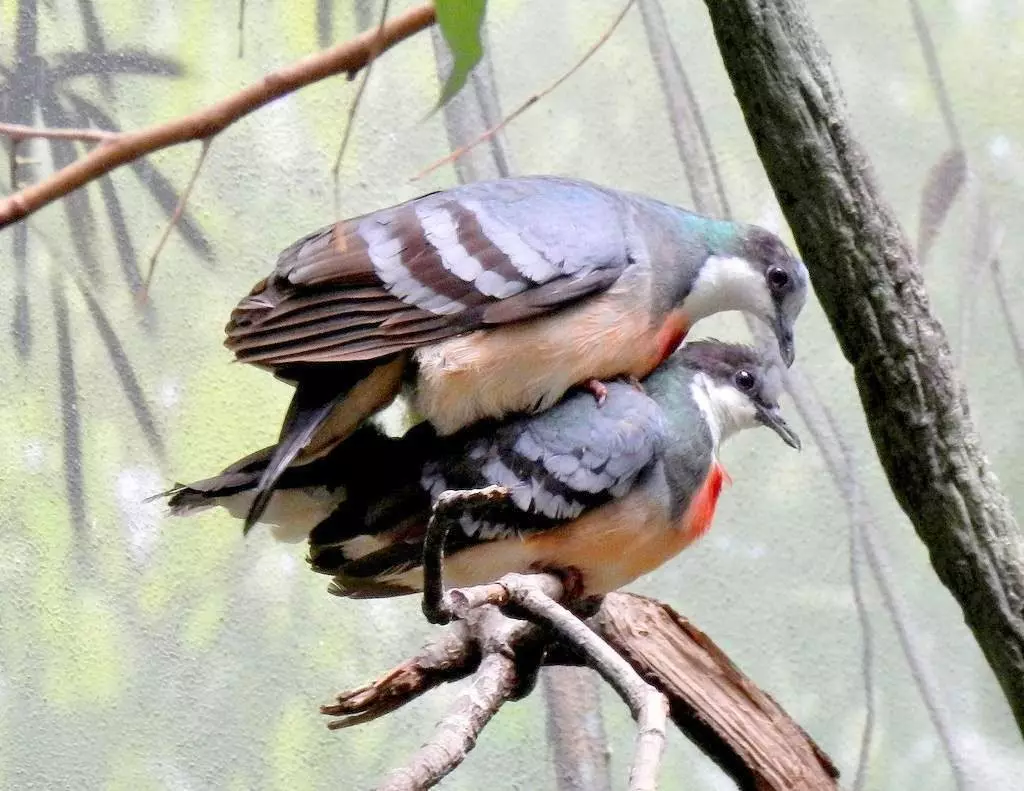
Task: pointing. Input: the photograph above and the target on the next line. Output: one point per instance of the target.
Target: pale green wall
(142, 653)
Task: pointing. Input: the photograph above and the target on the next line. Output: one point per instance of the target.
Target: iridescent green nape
(720, 235)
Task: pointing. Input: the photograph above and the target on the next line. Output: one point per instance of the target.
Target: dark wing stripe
(361, 350)
(421, 257)
(340, 256)
(527, 261)
(288, 344)
(541, 299)
(472, 237)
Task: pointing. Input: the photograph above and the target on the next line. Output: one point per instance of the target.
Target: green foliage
(460, 22)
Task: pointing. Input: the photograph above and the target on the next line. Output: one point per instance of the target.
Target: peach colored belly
(521, 367)
(611, 546)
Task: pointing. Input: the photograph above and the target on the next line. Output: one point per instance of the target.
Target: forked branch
(123, 147)
(658, 663)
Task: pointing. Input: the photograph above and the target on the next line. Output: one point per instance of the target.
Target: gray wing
(557, 464)
(481, 254)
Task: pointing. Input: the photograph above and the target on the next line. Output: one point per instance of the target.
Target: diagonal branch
(173, 219)
(532, 100)
(348, 57)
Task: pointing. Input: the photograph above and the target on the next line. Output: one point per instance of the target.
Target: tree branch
(124, 147)
(173, 219)
(738, 726)
(871, 288)
(647, 705)
(457, 733)
(17, 133)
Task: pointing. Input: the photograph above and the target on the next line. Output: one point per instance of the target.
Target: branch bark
(871, 288)
(737, 725)
(124, 147)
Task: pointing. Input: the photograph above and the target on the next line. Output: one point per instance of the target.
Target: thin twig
(241, 28)
(1009, 312)
(931, 60)
(18, 132)
(867, 652)
(647, 705)
(453, 738)
(532, 100)
(353, 108)
(347, 57)
(173, 219)
(449, 505)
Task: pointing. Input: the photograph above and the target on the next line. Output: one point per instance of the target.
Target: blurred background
(139, 652)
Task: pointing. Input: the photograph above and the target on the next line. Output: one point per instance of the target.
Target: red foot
(599, 390)
(571, 577)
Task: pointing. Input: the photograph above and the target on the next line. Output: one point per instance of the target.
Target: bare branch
(532, 100)
(17, 133)
(456, 734)
(647, 705)
(347, 57)
(436, 607)
(173, 219)
(1009, 313)
(451, 656)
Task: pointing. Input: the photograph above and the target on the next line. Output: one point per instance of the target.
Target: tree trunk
(871, 288)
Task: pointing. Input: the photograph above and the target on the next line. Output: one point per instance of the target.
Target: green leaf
(460, 22)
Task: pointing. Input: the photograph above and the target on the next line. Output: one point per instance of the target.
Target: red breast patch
(671, 334)
(701, 511)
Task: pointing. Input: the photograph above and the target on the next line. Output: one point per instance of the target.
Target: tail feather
(324, 411)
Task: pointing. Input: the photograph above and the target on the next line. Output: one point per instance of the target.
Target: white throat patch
(729, 283)
(726, 410)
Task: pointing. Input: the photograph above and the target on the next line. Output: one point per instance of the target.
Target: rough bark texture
(740, 727)
(871, 288)
(737, 725)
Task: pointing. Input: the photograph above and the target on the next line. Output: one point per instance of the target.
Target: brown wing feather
(328, 301)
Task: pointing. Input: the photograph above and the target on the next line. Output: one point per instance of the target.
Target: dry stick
(1016, 332)
(647, 705)
(720, 709)
(529, 102)
(124, 147)
(354, 106)
(453, 738)
(17, 133)
(451, 656)
(173, 219)
(449, 505)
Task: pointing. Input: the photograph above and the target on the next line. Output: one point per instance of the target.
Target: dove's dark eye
(778, 278)
(745, 380)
